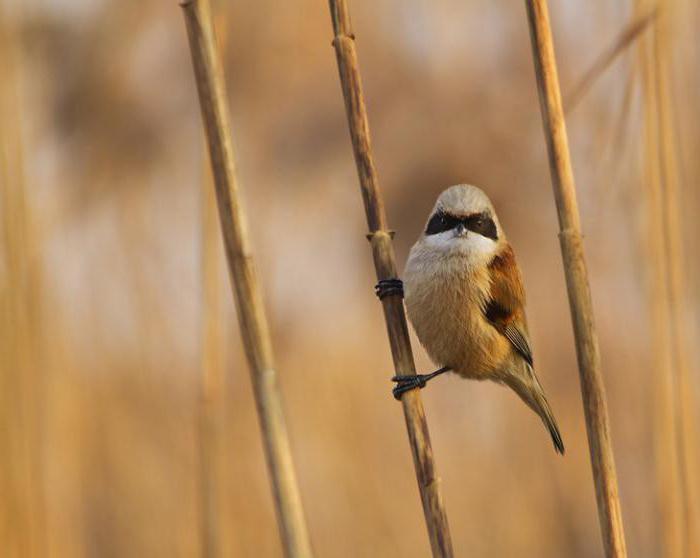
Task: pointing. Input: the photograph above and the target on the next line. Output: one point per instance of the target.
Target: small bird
(464, 296)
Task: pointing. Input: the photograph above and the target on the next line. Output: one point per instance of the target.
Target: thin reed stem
(249, 304)
(384, 261)
(211, 394)
(587, 351)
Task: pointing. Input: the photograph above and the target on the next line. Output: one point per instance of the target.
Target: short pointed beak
(461, 230)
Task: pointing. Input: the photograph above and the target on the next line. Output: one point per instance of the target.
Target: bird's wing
(505, 308)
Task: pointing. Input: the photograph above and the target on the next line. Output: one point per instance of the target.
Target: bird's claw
(407, 383)
(388, 287)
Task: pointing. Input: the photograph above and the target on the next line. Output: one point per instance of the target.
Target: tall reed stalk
(211, 396)
(384, 261)
(253, 321)
(587, 351)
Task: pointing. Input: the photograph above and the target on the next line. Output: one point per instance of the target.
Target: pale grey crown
(465, 199)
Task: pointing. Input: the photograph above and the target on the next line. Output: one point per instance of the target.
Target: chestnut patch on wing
(505, 307)
(503, 261)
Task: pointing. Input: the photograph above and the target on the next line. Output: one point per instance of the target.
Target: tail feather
(550, 422)
(531, 392)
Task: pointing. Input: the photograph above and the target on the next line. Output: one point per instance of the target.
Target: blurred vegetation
(103, 290)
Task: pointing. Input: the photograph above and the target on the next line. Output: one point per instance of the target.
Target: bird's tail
(531, 392)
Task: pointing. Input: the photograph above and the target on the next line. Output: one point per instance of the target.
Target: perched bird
(464, 296)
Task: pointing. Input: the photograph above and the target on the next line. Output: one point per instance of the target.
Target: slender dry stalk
(212, 381)
(249, 304)
(626, 37)
(384, 261)
(587, 351)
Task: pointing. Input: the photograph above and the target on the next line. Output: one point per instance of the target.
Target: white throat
(472, 248)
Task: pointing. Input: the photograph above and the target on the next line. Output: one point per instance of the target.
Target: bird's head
(463, 222)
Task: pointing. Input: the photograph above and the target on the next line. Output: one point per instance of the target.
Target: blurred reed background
(115, 299)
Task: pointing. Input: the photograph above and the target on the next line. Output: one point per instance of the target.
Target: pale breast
(444, 305)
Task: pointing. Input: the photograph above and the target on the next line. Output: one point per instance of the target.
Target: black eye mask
(480, 223)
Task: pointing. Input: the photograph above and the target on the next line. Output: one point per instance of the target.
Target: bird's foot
(388, 287)
(407, 383)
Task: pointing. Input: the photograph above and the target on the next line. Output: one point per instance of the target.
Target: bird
(464, 296)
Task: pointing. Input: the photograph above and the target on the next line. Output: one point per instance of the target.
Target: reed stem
(587, 351)
(384, 261)
(253, 321)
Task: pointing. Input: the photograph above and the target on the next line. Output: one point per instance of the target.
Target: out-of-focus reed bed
(22, 368)
(676, 418)
(112, 136)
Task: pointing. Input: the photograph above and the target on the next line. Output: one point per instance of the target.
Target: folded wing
(505, 309)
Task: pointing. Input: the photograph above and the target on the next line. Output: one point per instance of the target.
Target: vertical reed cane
(587, 351)
(251, 314)
(385, 264)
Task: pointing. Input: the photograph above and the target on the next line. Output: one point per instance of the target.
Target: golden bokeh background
(106, 334)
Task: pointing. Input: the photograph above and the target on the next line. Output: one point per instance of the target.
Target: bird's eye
(440, 222)
(483, 224)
